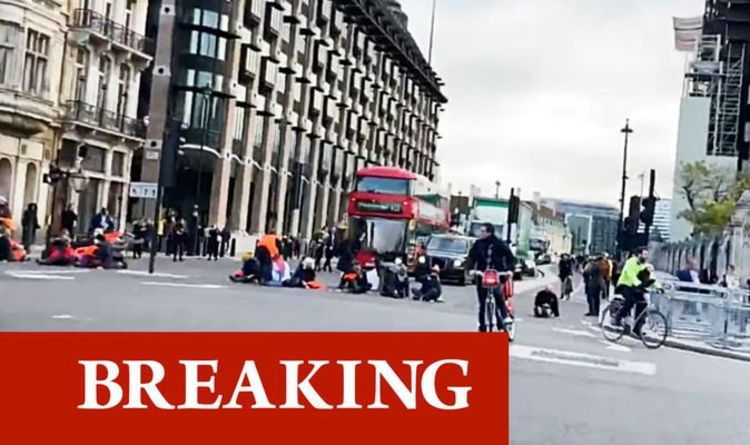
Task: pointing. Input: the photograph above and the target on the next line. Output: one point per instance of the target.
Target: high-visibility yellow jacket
(629, 275)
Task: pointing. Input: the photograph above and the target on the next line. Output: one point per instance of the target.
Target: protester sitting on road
(431, 289)
(546, 304)
(5, 251)
(355, 281)
(250, 270)
(267, 251)
(395, 280)
(60, 252)
(421, 270)
(304, 275)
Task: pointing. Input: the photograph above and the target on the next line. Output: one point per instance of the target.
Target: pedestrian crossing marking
(183, 285)
(144, 273)
(570, 358)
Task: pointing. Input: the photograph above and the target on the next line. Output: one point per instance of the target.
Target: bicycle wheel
(490, 313)
(653, 328)
(606, 323)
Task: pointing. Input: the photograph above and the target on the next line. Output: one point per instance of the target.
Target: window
(82, 66)
(129, 8)
(386, 186)
(35, 62)
(122, 90)
(8, 39)
(118, 163)
(206, 43)
(105, 67)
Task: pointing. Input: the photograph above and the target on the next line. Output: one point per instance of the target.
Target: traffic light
(649, 208)
(634, 215)
(514, 206)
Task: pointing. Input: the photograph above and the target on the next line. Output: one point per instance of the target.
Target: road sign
(143, 190)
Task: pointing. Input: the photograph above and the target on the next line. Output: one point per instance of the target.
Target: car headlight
(458, 263)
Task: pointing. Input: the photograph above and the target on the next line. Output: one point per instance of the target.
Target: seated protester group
(355, 281)
(396, 280)
(432, 290)
(60, 252)
(546, 304)
(100, 254)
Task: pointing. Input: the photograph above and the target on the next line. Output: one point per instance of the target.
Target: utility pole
(652, 202)
(432, 32)
(497, 189)
(511, 212)
(627, 131)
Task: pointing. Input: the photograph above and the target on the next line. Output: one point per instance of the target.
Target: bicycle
(653, 324)
(491, 280)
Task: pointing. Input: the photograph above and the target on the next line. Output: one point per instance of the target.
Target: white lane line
(62, 317)
(615, 347)
(184, 285)
(53, 271)
(574, 332)
(144, 273)
(583, 360)
(33, 276)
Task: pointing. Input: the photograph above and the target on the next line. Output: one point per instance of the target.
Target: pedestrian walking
(139, 238)
(213, 236)
(178, 238)
(69, 219)
(594, 285)
(29, 226)
(565, 272)
(329, 250)
(226, 237)
(607, 271)
(296, 247)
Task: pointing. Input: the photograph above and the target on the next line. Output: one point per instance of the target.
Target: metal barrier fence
(713, 315)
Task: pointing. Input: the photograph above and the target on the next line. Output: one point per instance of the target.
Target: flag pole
(432, 32)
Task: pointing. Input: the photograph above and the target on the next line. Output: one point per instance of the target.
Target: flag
(687, 33)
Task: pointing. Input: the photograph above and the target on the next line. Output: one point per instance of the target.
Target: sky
(539, 90)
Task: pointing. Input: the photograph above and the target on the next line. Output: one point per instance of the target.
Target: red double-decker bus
(391, 209)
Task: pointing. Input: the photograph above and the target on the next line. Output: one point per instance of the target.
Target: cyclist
(490, 252)
(636, 277)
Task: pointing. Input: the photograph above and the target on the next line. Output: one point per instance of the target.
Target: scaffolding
(716, 71)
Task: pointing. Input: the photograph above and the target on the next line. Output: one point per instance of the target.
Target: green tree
(712, 193)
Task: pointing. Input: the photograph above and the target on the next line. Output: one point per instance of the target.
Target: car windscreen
(453, 245)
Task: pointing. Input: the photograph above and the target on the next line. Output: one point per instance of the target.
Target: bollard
(233, 247)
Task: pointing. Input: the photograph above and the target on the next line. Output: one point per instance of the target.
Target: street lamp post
(206, 94)
(627, 131)
(432, 32)
(497, 189)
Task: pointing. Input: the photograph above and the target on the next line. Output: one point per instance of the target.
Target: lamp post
(432, 32)
(627, 131)
(497, 189)
(206, 93)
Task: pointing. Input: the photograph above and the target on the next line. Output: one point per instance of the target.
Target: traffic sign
(143, 190)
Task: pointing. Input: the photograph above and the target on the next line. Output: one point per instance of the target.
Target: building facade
(31, 46)
(106, 53)
(551, 232)
(275, 104)
(662, 219)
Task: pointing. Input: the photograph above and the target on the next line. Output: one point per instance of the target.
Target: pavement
(567, 384)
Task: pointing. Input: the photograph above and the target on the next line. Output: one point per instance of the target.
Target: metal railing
(712, 315)
(79, 111)
(96, 22)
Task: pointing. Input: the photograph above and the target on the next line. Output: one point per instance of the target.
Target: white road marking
(62, 317)
(38, 276)
(615, 347)
(194, 286)
(583, 360)
(144, 273)
(574, 332)
(54, 271)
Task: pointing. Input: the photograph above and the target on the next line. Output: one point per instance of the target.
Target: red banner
(253, 388)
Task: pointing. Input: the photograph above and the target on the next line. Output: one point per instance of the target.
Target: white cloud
(538, 90)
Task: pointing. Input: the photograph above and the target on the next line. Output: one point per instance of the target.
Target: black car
(450, 253)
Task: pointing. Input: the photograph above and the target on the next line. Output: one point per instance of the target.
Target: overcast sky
(539, 89)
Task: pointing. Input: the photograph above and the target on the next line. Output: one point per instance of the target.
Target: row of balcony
(90, 115)
(96, 23)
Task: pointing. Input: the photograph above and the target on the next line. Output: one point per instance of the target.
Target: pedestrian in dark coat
(69, 220)
(213, 236)
(595, 283)
(29, 225)
(226, 238)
